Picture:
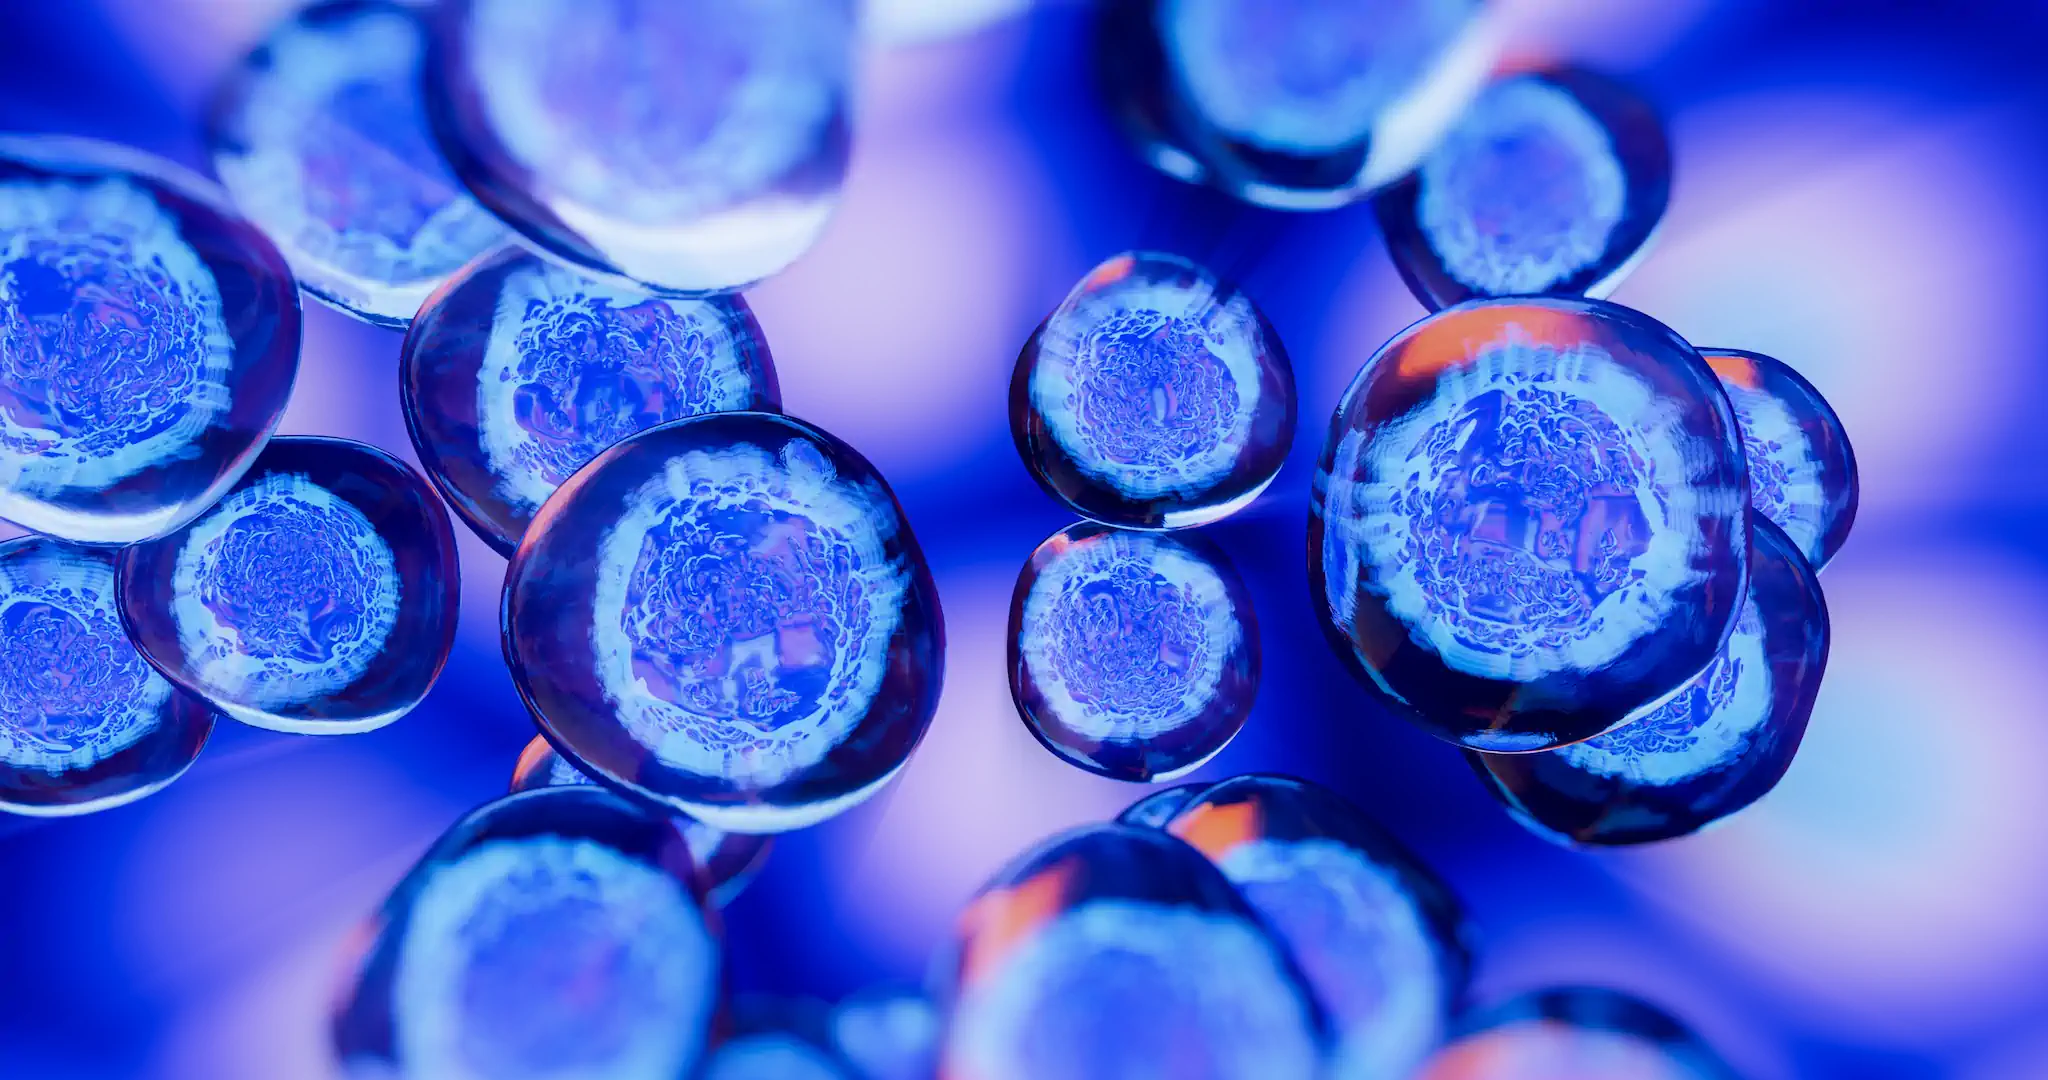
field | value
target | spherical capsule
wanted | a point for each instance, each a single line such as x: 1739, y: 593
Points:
x: 771, y: 1055
x: 1156, y: 809
x: 693, y: 147
x: 1154, y: 396
x: 887, y: 1034
x: 548, y: 934
x: 1117, y: 952
x: 321, y: 137
x: 1132, y: 655
x: 148, y: 341
x: 1378, y: 937
x: 520, y: 371
x: 318, y: 597
x: 1530, y: 520
x: 1575, y: 1034
x: 85, y: 723
x: 1551, y: 184
x: 1802, y: 471
x: 728, y: 615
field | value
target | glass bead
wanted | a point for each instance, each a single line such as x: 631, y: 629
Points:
x: 1158, y: 808
x: 726, y: 862
x: 887, y: 1034
x: 549, y: 934
x: 521, y: 371
x: 1529, y: 520
x: 1715, y: 745
x: 1291, y: 104
x: 1802, y: 470
x: 1575, y: 1034
x: 321, y: 138
x: 693, y: 147
x: 148, y: 341
x: 1132, y: 655
x: 1154, y: 396
x: 728, y: 615
x: 1118, y: 953
x: 318, y: 597
x: 85, y: 723
x: 771, y: 1055
x: 1552, y: 183
x: 1380, y: 940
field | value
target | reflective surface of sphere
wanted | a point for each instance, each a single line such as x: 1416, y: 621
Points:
x: 1158, y: 808
x: 1154, y: 396
x: 318, y: 597
x: 521, y: 371
x: 1575, y: 1034
x: 1530, y: 520
x: 1802, y: 470
x: 887, y: 1035
x: 148, y: 341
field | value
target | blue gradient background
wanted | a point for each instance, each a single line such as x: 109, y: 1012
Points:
x: 1859, y: 192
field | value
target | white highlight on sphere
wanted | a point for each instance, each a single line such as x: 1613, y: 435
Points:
x: 73, y: 691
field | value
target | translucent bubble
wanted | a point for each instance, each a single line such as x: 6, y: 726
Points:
x: 1379, y: 938
x: 322, y: 139
x: 1715, y: 745
x: 521, y: 371
x: 1575, y: 1034
x: 771, y: 1056
x: 1154, y: 396
x: 1552, y: 183
x: 148, y: 341
x: 728, y: 615
x: 1118, y: 953
x: 1530, y: 520
x: 1292, y: 104
x: 1132, y: 655
x: 85, y: 723
x: 319, y: 596
x: 693, y: 146
x: 726, y: 862
x: 1155, y: 810
x: 887, y: 1034
x: 1802, y: 471
x: 549, y: 934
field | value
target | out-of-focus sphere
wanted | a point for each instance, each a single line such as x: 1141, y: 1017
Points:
x: 148, y: 341
x: 322, y: 139
x: 1530, y: 520
x: 770, y: 1055
x: 692, y: 146
x: 521, y: 371
x: 913, y: 22
x: 1154, y: 396
x: 1802, y: 470
x: 1575, y: 1035
x: 887, y: 1035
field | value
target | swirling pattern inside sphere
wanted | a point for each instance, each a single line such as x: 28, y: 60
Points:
x: 73, y: 691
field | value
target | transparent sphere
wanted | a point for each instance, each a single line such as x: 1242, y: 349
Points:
x: 1132, y: 655
x: 321, y: 137
x: 549, y: 934
x: 726, y: 863
x: 521, y: 371
x: 728, y: 615
x: 1802, y: 471
x: 1380, y: 940
x: 1552, y: 183
x: 318, y: 597
x: 1715, y: 745
x: 1118, y: 953
x: 1291, y: 104
x: 771, y: 1055
x: 887, y: 1034
x: 1156, y: 809
x: 85, y: 723
x: 148, y: 341
x: 692, y: 146
x: 1154, y: 396
x: 1530, y: 520
x: 1575, y: 1034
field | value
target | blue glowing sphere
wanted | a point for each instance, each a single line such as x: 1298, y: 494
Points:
x: 1802, y: 471
x: 1530, y: 519
x: 318, y: 597
x: 1575, y: 1034
x: 148, y: 341
x: 887, y: 1034
x: 771, y: 1055
x: 1156, y: 809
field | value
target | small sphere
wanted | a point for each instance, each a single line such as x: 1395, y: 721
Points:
x: 1378, y: 937
x: 1155, y: 810
x: 148, y: 341
x: 1132, y: 655
x: 887, y: 1034
x: 321, y: 137
x: 318, y: 597
x: 548, y: 934
x: 1802, y: 471
x: 1118, y: 953
x: 85, y: 723
x: 693, y: 147
x: 771, y: 1055
x: 520, y: 371
x: 1154, y: 396
x: 729, y: 616
x: 1551, y: 184
x: 1575, y: 1034
x: 1529, y: 521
